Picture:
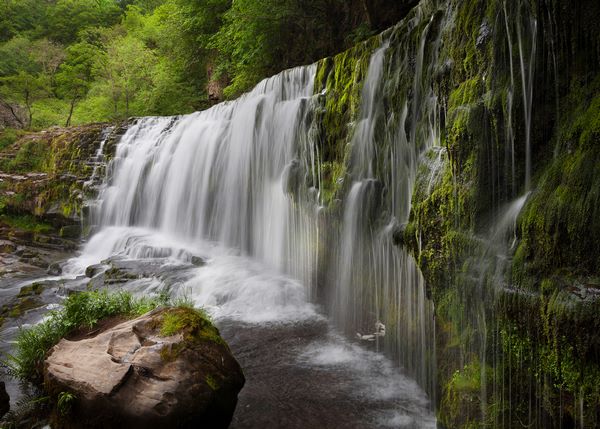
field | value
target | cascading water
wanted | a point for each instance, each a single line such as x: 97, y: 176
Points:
x: 241, y: 174
x: 379, y: 292
x: 236, y: 181
x: 219, y: 175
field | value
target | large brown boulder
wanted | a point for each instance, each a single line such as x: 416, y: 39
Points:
x: 166, y: 369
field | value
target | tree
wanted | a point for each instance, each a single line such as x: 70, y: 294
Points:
x: 19, y: 17
x: 261, y: 37
x: 15, y: 56
x: 24, y: 88
x: 66, y: 18
x: 127, y: 71
x: 49, y: 56
x: 76, y: 74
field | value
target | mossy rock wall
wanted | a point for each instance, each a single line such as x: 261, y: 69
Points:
x: 522, y: 347
x: 502, y: 341
x: 44, y: 176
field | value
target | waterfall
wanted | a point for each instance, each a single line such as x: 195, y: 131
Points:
x: 245, y: 175
x: 230, y: 174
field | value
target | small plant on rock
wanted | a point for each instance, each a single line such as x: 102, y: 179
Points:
x: 65, y: 402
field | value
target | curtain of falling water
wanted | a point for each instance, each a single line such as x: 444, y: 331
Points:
x: 230, y: 174
x: 376, y: 283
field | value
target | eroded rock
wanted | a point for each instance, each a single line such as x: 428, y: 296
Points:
x: 166, y: 369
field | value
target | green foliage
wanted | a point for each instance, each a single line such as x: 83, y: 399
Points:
x: 83, y: 309
x: 25, y: 223
x: 31, y: 156
x: 260, y: 37
x: 67, y: 17
x: 65, y: 402
x: 8, y: 136
x: 78, y: 61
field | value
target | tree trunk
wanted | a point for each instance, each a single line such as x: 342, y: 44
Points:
x: 13, y: 113
x: 28, y: 104
x: 70, y: 113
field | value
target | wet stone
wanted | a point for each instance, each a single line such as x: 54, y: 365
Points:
x: 94, y: 270
x: 54, y: 269
x: 198, y: 261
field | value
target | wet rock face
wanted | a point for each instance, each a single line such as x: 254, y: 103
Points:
x: 142, y: 373
x: 4, y: 400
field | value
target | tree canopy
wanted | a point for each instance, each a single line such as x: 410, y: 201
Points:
x: 76, y: 61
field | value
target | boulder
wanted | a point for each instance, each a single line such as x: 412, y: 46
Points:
x: 198, y: 261
x: 54, y: 269
x: 92, y: 270
x: 166, y: 369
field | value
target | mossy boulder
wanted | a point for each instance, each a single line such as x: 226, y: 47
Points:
x: 167, y: 368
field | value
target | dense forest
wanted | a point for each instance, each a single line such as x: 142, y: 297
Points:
x: 65, y: 62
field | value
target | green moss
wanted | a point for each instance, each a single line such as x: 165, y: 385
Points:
x: 31, y: 156
x: 33, y: 289
x: 170, y: 352
x: 544, y: 353
x: 340, y: 79
x: 115, y: 273
x: 24, y: 304
x: 211, y: 382
x: 9, y: 136
x: 61, y: 154
x: 194, y: 324
x: 462, y: 397
x: 560, y: 224
x: 332, y: 176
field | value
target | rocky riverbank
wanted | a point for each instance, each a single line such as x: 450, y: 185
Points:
x: 46, y: 182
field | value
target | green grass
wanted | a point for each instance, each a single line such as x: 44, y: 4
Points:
x: 8, y: 136
x: 31, y: 156
x: 80, y: 310
x: 65, y: 402
x: 26, y: 223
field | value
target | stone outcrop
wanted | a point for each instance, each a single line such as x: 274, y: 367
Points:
x: 45, y: 180
x: 166, y: 369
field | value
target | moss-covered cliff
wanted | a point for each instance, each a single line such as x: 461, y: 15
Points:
x: 44, y: 185
x: 504, y: 220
